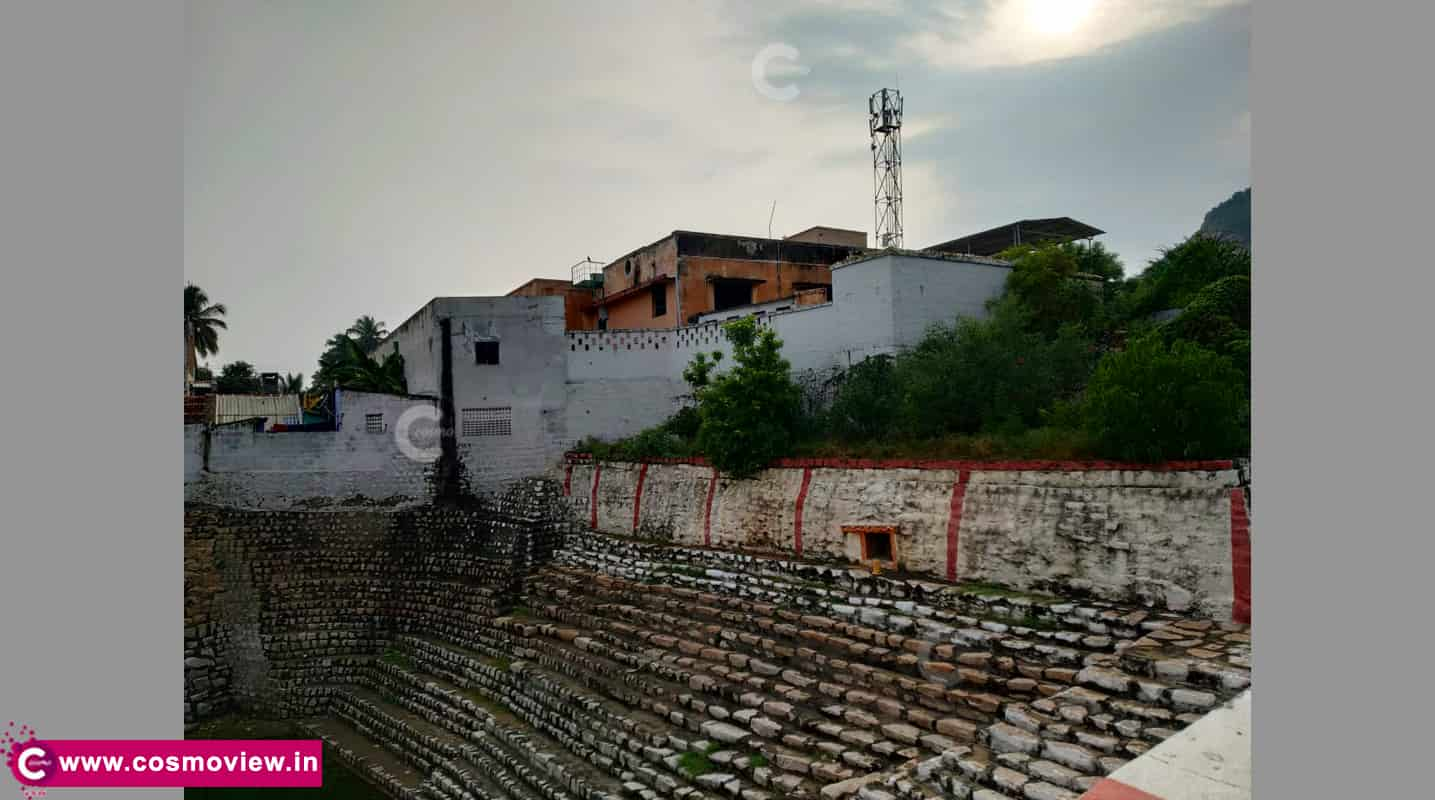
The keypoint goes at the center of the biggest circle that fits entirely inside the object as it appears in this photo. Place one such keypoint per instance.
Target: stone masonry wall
(1167, 536)
(281, 603)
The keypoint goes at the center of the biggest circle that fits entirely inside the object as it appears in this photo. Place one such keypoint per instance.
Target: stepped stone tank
(497, 652)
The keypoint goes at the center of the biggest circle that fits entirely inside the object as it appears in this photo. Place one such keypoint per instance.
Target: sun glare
(1057, 17)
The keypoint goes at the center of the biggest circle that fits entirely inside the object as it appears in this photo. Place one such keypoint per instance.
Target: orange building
(580, 311)
(673, 280)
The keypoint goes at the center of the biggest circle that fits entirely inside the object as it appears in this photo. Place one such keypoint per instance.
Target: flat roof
(1027, 231)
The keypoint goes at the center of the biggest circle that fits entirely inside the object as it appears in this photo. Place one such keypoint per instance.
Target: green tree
(1157, 401)
(237, 377)
(202, 322)
(866, 403)
(1174, 279)
(292, 383)
(362, 372)
(748, 415)
(988, 375)
(1062, 284)
(367, 332)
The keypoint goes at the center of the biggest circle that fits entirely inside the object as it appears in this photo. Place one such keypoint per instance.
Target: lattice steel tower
(884, 122)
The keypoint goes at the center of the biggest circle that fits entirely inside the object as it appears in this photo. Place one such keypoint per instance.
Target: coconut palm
(292, 383)
(202, 323)
(368, 332)
(361, 372)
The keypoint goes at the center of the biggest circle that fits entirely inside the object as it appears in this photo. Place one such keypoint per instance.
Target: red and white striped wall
(957, 520)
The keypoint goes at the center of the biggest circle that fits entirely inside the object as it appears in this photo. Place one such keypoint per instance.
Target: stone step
(548, 703)
(367, 759)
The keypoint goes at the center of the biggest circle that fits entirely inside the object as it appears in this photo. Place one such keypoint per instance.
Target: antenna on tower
(884, 123)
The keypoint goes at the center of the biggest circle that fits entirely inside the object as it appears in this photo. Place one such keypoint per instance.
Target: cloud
(1014, 33)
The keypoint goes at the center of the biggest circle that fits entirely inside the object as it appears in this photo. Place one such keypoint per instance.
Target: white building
(525, 390)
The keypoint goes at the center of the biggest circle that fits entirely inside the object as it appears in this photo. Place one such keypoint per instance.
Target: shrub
(749, 413)
(1061, 284)
(1174, 280)
(993, 375)
(865, 406)
(1159, 401)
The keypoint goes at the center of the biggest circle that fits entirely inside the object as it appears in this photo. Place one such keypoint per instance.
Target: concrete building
(674, 280)
(526, 388)
(580, 309)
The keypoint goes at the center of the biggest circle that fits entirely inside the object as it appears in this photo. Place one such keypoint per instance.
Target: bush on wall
(1158, 401)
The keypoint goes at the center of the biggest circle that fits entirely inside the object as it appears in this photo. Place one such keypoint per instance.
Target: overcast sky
(346, 158)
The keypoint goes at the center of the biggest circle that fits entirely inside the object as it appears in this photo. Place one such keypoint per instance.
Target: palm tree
(202, 324)
(292, 383)
(368, 332)
(361, 372)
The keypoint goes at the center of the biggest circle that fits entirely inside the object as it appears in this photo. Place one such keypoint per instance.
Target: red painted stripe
(954, 522)
(638, 494)
(1108, 789)
(1240, 557)
(593, 504)
(708, 510)
(797, 521)
(957, 464)
(568, 479)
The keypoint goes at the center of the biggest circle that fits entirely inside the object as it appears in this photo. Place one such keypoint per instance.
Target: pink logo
(30, 760)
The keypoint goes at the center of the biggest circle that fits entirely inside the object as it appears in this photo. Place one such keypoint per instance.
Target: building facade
(525, 389)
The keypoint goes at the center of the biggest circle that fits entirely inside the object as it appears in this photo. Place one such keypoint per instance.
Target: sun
(1057, 17)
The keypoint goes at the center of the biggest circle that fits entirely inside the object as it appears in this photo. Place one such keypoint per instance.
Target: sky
(344, 158)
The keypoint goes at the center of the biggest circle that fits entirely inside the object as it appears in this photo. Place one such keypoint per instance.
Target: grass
(397, 658)
(693, 763)
(757, 760)
(1046, 444)
(340, 783)
(979, 588)
(522, 612)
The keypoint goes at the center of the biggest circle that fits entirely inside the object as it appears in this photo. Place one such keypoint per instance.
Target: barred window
(492, 421)
(373, 423)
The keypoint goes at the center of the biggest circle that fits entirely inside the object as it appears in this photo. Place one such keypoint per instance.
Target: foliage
(330, 361)
(292, 383)
(360, 371)
(203, 374)
(1158, 401)
(749, 414)
(1062, 284)
(237, 377)
(1173, 280)
(987, 375)
(367, 332)
(338, 357)
(1219, 319)
(865, 406)
(202, 322)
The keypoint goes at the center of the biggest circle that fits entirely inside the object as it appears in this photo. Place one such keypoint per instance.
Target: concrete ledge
(1210, 760)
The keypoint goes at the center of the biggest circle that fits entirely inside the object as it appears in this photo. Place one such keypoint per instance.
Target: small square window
(877, 546)
(485, 352)
(373, 423)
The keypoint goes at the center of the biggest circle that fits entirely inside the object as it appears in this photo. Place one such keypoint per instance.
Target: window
(492, 421)
(485, 352)
(877, 546)
(731, 294)
(871, 543)
(660, 300)
(373, 423)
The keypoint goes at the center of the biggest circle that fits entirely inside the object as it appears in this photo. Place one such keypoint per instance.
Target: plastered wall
(1165, 536)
